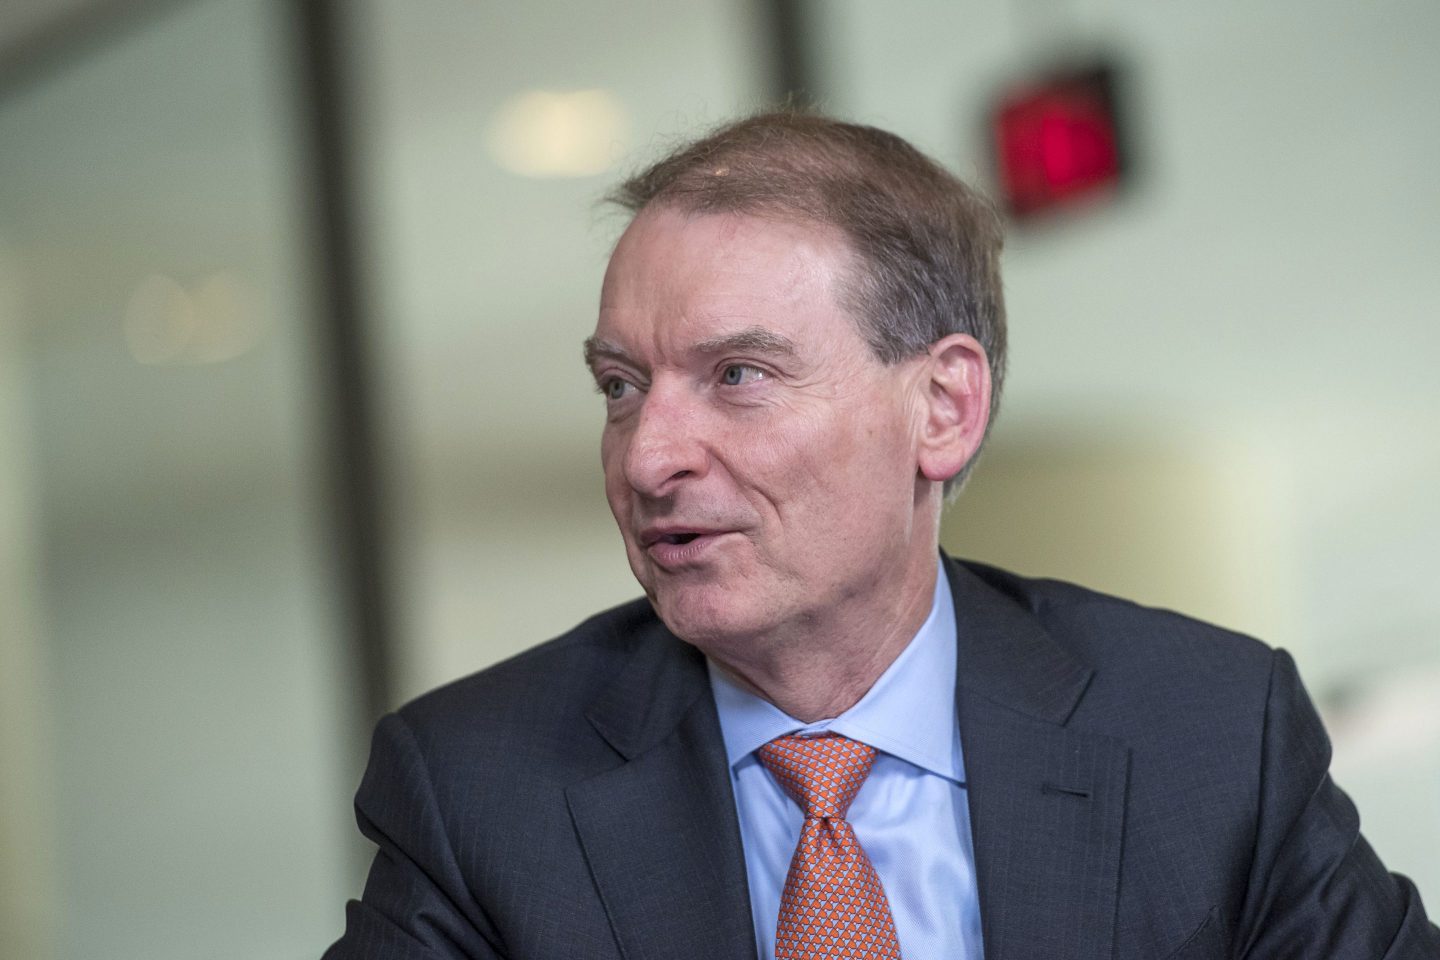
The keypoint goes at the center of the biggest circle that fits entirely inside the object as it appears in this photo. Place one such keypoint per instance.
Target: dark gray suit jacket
(1141, 785)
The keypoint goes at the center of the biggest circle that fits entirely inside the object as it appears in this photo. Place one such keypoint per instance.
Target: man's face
(759, 460)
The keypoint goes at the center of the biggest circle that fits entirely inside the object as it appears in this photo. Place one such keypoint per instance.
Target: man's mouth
(672, 535)
(678, 546)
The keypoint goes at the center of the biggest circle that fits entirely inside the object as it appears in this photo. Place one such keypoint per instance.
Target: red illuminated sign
(1057, 140)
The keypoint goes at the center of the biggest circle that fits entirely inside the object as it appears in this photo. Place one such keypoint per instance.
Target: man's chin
(707, 619)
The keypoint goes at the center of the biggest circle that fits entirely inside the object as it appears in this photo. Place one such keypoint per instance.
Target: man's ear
(955, 405)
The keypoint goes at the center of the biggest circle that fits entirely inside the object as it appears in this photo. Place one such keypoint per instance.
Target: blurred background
(293, 423)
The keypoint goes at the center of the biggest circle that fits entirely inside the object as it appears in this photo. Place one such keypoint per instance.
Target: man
(817, 736)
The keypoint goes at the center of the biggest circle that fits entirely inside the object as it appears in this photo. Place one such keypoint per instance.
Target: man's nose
(666, 446)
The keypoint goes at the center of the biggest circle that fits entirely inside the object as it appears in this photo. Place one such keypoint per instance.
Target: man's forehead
(684, 285)
(666, 245)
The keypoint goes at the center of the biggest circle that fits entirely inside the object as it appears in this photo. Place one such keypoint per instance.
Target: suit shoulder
(1112, 632)
(560, 671)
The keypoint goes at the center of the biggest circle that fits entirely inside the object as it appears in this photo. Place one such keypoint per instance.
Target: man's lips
(676, 534)
(678, 546)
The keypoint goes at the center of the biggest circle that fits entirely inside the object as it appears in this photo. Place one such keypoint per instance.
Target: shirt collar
(909, 712)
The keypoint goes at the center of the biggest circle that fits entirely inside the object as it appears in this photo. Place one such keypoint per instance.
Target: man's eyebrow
(597, 348)
(751, 339)
(754, 339)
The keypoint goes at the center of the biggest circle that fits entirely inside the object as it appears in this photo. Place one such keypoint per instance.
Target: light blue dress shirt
(911, 815)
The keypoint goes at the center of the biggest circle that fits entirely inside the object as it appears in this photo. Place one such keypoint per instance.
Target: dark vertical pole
(345, 360)
(792, 67)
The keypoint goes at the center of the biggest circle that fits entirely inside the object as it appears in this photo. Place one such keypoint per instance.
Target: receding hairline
(757, 162)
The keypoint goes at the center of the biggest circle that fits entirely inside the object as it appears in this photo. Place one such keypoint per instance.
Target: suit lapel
(660, 831)
(1046, 803)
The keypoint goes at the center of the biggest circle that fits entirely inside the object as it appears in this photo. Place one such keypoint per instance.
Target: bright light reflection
(229, 324)
(548, 133)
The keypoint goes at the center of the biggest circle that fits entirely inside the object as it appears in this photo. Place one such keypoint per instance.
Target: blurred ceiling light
(167, 324)
(552, 133)
(228, 325)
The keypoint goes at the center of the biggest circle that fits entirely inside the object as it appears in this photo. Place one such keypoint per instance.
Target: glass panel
(165, 592)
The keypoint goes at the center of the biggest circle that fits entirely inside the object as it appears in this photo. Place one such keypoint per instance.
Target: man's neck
(825, 670)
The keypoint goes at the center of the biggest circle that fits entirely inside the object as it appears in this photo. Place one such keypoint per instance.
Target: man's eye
(735, 374)
(614, 388)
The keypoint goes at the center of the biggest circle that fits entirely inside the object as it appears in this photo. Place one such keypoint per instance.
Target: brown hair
(928, 245)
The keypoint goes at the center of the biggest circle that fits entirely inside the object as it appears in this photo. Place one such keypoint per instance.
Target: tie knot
(822, 774)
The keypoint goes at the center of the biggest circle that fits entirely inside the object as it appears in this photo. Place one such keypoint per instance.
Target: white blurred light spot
(212, 322)
(228, 323)
(551, 133)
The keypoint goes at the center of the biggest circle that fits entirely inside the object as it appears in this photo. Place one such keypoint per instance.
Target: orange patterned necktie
(832, 904)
